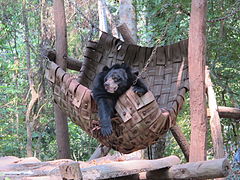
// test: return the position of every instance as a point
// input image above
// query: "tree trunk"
(127, 15)
(112, 21)
(102, 17)
(61, 51)
(197, 61)
(44, 42)
(28, 53)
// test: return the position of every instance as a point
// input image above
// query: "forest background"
(26, 27)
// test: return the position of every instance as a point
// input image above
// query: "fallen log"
(197, 170)
(127, 168)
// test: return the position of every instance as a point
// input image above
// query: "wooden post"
(215, 124)
(61, 52)
(196, 58)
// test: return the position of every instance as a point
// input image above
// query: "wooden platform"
(121, 169)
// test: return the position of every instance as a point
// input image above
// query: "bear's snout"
(110, 86)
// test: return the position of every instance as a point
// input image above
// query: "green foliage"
(82, 146)
(14, 88)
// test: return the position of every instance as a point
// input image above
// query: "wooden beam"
(229, 112)
(127, 168)
(72, 63)
(197, 61)
(181, 140)
(215, 124)
(196, 170)
(125, 32)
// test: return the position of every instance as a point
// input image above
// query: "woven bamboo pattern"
(139, 121)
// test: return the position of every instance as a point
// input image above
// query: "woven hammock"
(140, 121)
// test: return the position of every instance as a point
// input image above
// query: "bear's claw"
(106, 131)
(139, 91)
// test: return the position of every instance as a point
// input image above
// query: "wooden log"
(197, 61)
(215, 124)
(125, 32)
(196, 170)
(101, 151)
(127, 168)
(228, 112)
(70, 170)
(181, 140)
(72, 63)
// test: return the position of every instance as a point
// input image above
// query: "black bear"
(108, 86)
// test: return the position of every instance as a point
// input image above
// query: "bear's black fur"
(108, 86)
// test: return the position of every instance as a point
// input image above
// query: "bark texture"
(61, 52)
(197, 60)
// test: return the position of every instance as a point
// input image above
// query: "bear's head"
(117, 79)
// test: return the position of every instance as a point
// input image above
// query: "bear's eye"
(115, 79)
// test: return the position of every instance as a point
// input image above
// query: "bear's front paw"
(139, 91)
(106, 130)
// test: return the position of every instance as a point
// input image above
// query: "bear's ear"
(136, 73)
(105, 68)
(126, 67)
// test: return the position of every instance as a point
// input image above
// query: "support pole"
(181, 140)
(197, 60)
(61, 52)
(215, 124)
